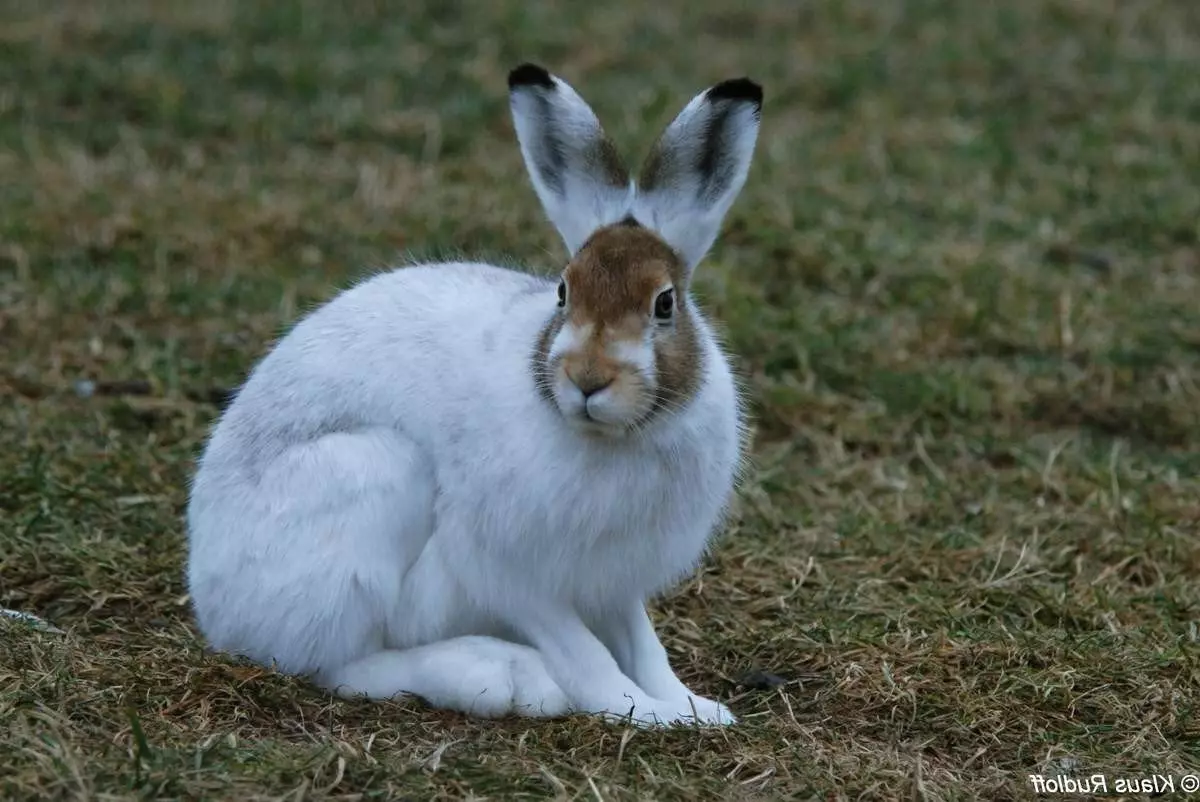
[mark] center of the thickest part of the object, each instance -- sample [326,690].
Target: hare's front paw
[693,711]
[709,711]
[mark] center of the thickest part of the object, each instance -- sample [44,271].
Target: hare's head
[624,344]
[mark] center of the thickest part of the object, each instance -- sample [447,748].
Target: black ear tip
[530,75]
[738,89]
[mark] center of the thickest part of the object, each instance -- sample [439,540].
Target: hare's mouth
[588,423]
[609,410]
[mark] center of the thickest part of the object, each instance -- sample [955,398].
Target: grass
[962,284]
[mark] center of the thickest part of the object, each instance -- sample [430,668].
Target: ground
[961,284]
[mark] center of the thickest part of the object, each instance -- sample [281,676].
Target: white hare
[463,482]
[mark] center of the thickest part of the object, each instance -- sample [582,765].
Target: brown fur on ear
[612,283]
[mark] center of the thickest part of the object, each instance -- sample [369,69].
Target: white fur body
[376,485]
[390,505]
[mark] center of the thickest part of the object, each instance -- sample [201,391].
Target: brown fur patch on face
[543,371]
[680,364]
[612,283]
[617,272]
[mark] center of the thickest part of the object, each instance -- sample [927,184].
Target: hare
[463,482]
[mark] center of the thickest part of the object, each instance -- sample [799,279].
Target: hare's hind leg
[305,569]
[478,675]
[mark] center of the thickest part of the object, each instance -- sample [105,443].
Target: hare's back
[447,321]
[415,347]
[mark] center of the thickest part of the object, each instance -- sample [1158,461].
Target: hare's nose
[592,386]
[589,383]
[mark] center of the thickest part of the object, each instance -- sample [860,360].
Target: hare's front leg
[629,634]
[586,671]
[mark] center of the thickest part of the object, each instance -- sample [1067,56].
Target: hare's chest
[634,524]
[587,519]
[655,526]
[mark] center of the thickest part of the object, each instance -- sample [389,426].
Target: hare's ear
[698,166]
[577,173]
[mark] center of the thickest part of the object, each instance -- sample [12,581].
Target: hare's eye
[562,293]
[664,305]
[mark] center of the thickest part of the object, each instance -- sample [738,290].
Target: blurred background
[962,288]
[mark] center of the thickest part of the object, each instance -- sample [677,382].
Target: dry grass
[963,282]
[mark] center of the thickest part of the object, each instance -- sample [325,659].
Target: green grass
[962,284]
